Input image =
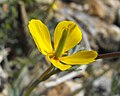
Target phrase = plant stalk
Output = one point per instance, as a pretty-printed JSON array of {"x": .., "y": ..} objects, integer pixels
[
  {"x": 49, "y": 72},
  {"x": 35, "y": 82},
  {"x": 108, "y": 55}
]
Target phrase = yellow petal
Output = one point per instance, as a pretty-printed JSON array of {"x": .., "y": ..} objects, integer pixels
[
  {"x": 41, "y": 36},
  {"x": 58, "y": 64},
  {"x": 81, "y": 57},
  {"x": 74, "y": 35}
]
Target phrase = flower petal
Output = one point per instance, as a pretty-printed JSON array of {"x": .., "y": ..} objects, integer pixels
[
  {"x": 81, "y": 57},
  {"x": 73, "y": 38},
  {"x": 41, "y": 36},
  {"x": 58, "y": 64}
]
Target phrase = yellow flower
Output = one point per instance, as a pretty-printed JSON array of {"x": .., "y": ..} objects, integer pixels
[{"x": 67, "y": 35}]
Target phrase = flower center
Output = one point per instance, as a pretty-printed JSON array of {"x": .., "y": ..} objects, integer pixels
[{"x": 52, "y": 56}]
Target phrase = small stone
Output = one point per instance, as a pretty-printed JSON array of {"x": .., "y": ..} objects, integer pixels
[{"x": 96, "y": 7}]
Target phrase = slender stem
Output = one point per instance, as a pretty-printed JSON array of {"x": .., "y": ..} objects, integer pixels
[
  {"x": 51, "y": 73},
  {"x": 108, "y": 55},
  {"x": 35, "y": 82},
  {"x": 48, "y": 73}
]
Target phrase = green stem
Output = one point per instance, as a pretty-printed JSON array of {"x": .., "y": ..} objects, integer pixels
[
  {"x": 35, "y": 82},
  {"x": 52, "y": 73},
  {"x": 61, "y": 43},
  {"x": 49, "y": 73}
]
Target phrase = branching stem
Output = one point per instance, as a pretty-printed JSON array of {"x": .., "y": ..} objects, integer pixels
[
  {"x": 49, "y": 72},
  {"x": 108, "y": 55}
]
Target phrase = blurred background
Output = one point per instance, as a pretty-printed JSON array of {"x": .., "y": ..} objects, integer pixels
[{"x": 21, "y": 62}]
